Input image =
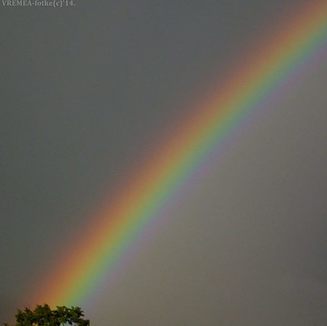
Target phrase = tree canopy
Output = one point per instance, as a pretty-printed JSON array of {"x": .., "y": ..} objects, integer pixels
[{"x": 45, "y": 316}]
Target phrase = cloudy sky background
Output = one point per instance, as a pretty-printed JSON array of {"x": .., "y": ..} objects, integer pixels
[{"x": 86, "y": 91}]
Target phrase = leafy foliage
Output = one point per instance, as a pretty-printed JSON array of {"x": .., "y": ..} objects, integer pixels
[{"x": 45, "y": 316}]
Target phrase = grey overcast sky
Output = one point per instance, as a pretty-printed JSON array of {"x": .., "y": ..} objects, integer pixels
[{"x": 85, "y": 91}]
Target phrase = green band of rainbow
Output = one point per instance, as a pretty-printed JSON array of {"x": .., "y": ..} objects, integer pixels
[{"x": 112, "y": 230}]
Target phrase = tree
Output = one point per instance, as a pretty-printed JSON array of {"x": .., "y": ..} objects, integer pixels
[{"x": 45, "y": 316}]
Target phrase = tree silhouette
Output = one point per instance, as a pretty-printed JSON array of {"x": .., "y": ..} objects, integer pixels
[{"x": 45, "y": 316}]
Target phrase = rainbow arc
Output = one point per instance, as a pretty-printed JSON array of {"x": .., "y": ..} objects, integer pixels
[{"x": 114, "y": 228}]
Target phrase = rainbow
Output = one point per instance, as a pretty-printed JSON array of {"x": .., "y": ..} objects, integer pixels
[{"x": 113, "y": 229}]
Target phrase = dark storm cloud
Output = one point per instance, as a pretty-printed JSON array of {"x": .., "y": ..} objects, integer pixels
[{"x": 85, "y": 90}]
